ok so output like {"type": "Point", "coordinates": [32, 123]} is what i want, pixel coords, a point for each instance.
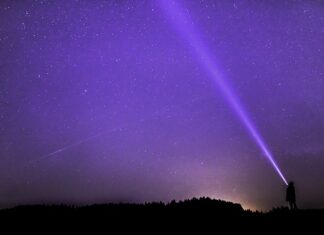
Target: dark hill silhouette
{"type": "Point", "coordinates": [203, 213]}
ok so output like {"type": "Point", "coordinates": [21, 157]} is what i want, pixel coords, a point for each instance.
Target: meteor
{"type": "Point", "coordinates": [183, 24]}
{"type": "Point", "coordinates": [101, 133]}
{"type": "Point", "coordinates": [67, 147]}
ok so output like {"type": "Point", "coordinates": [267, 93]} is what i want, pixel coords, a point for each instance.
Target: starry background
{"type": "Point", "coordinates": [103, 101]}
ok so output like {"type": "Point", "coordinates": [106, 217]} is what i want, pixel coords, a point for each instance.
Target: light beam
{"type": "Point", "coordinates": [182, 22]}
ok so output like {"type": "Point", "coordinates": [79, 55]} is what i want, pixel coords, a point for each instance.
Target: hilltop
{"type": "Point", "coordinates": [203, 213]}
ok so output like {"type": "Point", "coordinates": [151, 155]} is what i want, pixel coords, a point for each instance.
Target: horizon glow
{"type": "Point", "coordinates": [184, 25]}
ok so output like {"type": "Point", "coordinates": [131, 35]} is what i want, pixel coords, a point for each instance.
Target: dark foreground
{"type": "Point", "coordinates": [200, 215]}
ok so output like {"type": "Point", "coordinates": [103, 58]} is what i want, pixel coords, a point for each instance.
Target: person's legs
{"type": "Point", "coordinates": [295, 205]}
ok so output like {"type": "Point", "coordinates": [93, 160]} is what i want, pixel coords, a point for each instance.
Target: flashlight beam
{"type": "Point", "coordinates": [181, 19]}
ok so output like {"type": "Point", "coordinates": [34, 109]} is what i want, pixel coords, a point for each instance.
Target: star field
{"type": "Point", "coordinates": [105, 101]}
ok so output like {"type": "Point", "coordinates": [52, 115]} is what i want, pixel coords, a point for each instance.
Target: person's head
{"type": "Point", "coordinates": [291, 184]}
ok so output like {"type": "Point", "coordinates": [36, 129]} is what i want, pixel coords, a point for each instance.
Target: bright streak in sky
{"type": "Point", "coordinates": [99, 134]}
{"type": "Point", "coordinates": [182, 22]}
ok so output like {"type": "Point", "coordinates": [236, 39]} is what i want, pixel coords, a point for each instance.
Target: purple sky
{"type": "Point", "coordinates": [108, 101]}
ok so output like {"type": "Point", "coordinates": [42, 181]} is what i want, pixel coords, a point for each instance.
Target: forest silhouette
{"type": "Point", "coordinates": [197, 213]}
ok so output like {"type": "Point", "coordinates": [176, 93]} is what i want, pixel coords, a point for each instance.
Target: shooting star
{"type": "Point", "coordinates": [101, 133]}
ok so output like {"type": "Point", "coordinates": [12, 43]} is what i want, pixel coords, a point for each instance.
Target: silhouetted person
{"type": "Point", "coordinates": [291, 196]}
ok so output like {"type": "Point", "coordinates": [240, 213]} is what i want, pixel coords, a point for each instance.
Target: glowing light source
{"type": "Point", "coordinates": [184, 25]}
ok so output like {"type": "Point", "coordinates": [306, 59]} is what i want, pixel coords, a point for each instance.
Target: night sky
{"type": "Point", "coordinates": [109, 101]}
